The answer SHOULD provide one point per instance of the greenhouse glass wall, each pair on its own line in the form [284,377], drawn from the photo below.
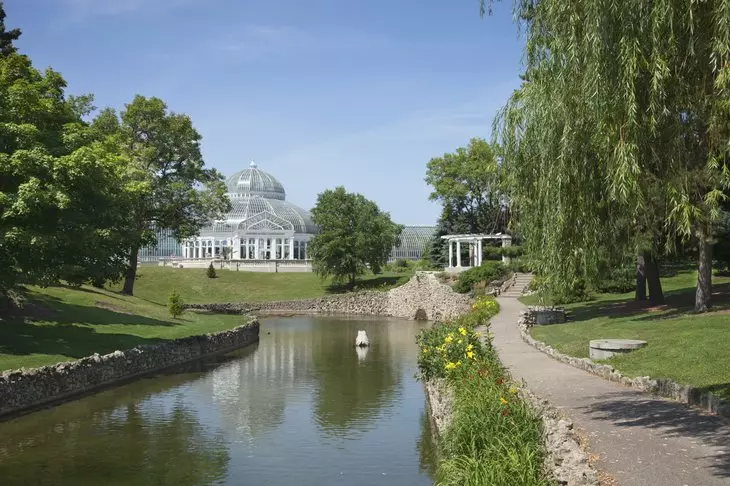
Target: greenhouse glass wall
[413,242]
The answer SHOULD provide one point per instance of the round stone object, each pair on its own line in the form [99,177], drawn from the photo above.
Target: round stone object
[605,348]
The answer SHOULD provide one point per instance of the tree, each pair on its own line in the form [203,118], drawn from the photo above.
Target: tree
[624,112]
[7,37]
[468,183]
[166,182]
[353,235]
[210,272]
[175,304]
[55,179]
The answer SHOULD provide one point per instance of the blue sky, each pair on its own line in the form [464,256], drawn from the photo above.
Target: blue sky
[320,93]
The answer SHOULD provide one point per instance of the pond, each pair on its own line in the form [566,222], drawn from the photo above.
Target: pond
[301,407]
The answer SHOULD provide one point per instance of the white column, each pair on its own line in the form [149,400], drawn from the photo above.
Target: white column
[256,254]
[291,248]
[451,253]
[480,254]
[506,242]
[458,253]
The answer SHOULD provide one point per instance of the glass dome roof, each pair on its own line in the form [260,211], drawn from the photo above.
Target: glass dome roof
[259,206]
[254,181]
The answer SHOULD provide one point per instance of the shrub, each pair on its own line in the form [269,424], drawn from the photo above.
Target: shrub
[211,271]
[618,280]
[486,272]
[175,304]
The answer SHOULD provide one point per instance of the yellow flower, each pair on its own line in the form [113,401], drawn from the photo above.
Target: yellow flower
[470,354]
[425,350]
[462,331]
[469,347]
[450,365]
[448,338]
[513,390]
[502,401]
[458,363]
[460,341]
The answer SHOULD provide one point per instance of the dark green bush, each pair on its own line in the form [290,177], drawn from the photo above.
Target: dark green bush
[211,271]
[486,272]
[618,280]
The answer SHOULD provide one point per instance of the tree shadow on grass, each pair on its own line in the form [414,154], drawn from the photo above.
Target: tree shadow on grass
[677,302]
[369,284]
[19,337]
[673,419]
[53,309]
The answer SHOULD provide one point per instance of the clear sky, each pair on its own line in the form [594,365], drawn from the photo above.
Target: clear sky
[359,93]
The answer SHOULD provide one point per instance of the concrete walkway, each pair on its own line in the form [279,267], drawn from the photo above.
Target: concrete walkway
[638,439]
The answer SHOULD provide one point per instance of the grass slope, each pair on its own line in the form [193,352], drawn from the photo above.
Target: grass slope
[62,324]
[686,347]
[156,283]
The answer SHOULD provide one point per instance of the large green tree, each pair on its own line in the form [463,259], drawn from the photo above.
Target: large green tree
[354,234]
[622,117]
[165,182]
[469,184]
[54,177]
[468,181]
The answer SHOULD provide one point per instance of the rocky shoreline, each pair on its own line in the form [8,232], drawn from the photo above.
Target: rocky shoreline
[27,388]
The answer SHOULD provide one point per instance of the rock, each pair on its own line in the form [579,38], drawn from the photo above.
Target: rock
[362,339]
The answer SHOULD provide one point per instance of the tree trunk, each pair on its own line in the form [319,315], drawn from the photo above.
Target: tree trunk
[704,271]
[640,277]
[352,280]
[656,295]
[131,274]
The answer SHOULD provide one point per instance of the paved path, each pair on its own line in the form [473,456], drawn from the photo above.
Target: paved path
[639,439]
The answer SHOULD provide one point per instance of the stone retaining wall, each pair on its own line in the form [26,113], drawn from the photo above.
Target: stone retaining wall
[20,389]
[686,394]
[422,292]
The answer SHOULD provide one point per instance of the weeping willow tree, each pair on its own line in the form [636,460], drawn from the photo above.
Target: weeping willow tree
[618,138]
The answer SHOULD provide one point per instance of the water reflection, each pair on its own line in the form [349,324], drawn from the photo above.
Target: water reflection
[302,407]
[151,441]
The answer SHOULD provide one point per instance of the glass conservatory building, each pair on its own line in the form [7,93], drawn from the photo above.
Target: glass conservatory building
[262,224]
[413,241]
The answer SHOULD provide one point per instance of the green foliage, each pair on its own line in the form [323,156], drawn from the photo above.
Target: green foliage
[7,37]
[175,304]
[494,437]
[210,272]
[354,236]
[449,347]
[619,133]
[468,182]
[487,272]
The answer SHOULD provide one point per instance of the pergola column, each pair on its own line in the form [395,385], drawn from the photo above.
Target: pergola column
[451,253]
[480,254]
[458,253]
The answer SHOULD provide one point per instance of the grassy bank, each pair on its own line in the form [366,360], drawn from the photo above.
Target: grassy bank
[493,437]
[686,347]
[155,284]
[62,324]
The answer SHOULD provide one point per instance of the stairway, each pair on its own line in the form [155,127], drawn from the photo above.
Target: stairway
[522,280]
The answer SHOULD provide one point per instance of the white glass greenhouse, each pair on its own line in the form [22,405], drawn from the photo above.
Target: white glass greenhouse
[262,225]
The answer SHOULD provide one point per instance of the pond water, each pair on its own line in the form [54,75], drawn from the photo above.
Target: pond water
[302,407]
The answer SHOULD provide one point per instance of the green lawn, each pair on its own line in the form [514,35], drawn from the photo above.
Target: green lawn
[62,324]
[156,283]
[686,347]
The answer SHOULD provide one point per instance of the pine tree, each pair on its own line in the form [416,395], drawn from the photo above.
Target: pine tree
[211,271]
[175,304]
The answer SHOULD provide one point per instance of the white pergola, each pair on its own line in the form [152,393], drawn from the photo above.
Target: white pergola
[474,241]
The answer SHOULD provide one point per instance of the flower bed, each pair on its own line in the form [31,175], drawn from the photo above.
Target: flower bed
[492,437]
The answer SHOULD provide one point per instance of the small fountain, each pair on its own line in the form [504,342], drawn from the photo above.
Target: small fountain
[362,341]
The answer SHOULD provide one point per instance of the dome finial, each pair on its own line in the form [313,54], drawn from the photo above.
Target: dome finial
[252,164]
